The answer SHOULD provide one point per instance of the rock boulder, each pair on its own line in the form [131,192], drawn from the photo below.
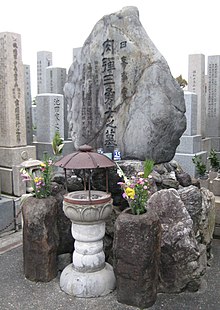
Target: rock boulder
[121,94]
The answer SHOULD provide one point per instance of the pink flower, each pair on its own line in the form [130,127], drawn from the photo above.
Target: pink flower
[124,195]
[120,183]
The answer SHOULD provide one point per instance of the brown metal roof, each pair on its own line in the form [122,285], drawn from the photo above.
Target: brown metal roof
[85,158]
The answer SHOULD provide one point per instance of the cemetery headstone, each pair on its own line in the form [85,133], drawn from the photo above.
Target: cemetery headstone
[190,142]
[213,102]
[13,143]
[121,94]
[49,119]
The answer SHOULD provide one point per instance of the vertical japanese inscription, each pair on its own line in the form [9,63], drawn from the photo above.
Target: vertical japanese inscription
[124,76]
[108,69]
[212,86]
[16,91]
[57,114]
[87,114]
[3,83]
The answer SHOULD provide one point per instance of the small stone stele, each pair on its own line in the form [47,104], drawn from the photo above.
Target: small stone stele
[136,251]
[40,238]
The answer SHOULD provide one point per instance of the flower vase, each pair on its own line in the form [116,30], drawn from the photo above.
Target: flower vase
[136,250]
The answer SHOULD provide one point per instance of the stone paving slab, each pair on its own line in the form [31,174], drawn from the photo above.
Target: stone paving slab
[18,293]
[10,241]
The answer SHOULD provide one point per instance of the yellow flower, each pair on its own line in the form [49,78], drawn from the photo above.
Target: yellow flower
[37,179]
[130,192]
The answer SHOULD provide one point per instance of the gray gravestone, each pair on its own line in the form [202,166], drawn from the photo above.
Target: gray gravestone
[28,104]
[49,119]
[13,143]
[121,94]
[50,116]
[190,142]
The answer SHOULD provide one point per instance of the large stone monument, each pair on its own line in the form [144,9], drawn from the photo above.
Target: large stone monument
[13,142]
[121,93]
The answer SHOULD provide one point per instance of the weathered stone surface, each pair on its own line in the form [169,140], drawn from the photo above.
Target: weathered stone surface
[40,238]
[120,80]
[65,239]
[200,203]
[207,224]
[170,183]
[192,199]
[180,266]
[136,256]
[184,179]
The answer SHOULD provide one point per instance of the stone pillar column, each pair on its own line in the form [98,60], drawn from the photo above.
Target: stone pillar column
[136,251]
[40,238]
[88,275]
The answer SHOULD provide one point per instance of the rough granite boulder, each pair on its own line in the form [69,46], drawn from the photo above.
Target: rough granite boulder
[183,260]
[120,92]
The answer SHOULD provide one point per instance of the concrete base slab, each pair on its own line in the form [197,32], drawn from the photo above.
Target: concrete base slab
[16,155]
[11,241]
[185,161]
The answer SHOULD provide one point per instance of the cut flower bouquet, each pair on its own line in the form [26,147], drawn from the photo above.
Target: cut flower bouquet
[40,179]
[137,189]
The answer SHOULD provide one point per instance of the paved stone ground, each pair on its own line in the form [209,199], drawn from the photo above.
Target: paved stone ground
[18,293]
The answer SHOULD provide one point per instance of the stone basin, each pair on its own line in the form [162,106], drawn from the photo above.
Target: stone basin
[80,209]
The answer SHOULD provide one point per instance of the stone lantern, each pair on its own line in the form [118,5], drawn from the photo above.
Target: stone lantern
[88,275]
[33,168]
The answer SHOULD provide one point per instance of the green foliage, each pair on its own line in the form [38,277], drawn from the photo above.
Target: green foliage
[148,167]
[213,159]
[57,144]
[200,166]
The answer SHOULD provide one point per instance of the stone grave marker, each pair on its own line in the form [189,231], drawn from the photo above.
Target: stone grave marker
[190,142]
[121,94]
[49,119]
[13,143]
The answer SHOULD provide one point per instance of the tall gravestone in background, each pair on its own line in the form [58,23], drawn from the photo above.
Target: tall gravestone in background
[190,142]
[13,143]
[49,119]
[121,93]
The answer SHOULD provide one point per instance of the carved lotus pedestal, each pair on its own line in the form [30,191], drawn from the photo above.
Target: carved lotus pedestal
[88,275]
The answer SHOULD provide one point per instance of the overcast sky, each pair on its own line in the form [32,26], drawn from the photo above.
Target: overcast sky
[177,28]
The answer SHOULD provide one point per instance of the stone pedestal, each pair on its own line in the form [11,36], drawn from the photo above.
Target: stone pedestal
[88,275]
[10,159]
